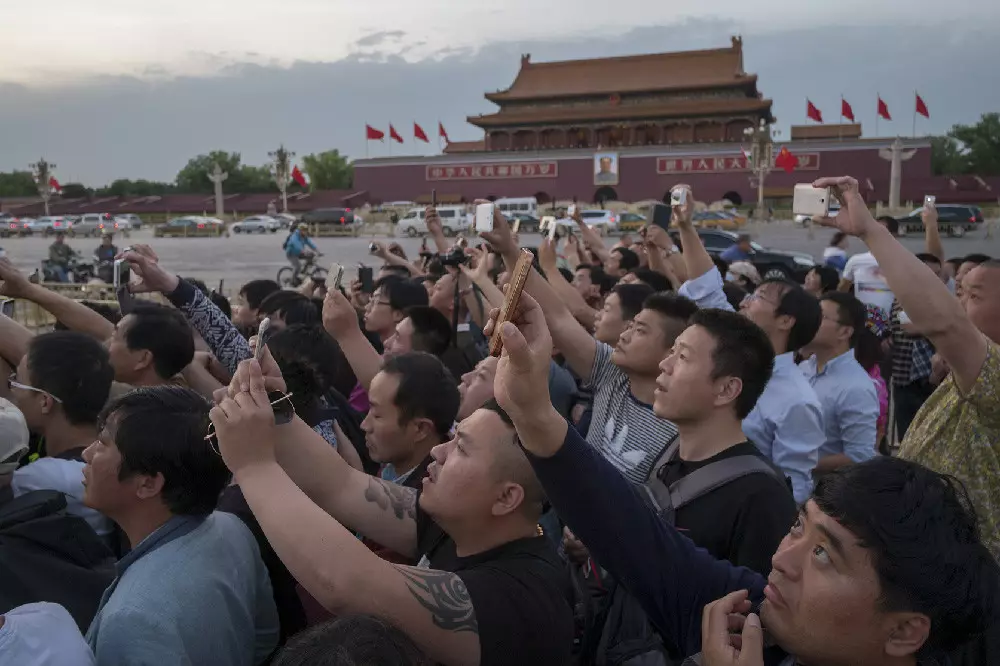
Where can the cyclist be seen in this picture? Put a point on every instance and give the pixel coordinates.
(296, 248)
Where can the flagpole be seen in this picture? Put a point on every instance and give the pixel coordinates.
(840, 129)
(914, 114)
(876, 116)
(367, 141)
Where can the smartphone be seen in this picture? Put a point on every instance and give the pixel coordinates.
(571, 211)
(661, 214)
(339, 273)
(120, 273)
(811, 201)
(120, 278)
(553, 229)
(484, 217)
(7, 308)
(434, 198)
(518, 277)
(930, 200)
(678, 196)
(263, 335)
(904, 318)
(372, 248)
(516, 227)
(367, 277)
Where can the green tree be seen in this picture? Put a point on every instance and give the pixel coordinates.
(946, 156)
(328, 170)
(17, 184)
(75, 191)
(980, 144)
(194, 176)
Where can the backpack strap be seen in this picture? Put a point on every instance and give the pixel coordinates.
(715, 475)
(656, 491)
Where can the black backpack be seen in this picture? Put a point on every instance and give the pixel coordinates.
(613, 630)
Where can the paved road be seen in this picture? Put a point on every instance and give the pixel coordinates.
(241, 258)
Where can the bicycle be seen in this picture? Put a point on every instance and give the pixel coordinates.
(309, 270)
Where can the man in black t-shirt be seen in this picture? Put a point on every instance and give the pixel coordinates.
(501, 598)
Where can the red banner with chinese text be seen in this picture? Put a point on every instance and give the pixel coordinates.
(503, 170)
(726, 164)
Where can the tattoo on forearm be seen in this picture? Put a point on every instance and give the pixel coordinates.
(388, 496)
(445, 596)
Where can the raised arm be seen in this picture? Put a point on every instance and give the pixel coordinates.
(667, 573)
(566, 292)
(340, 320)
(932, 233)
(433, 223)
(934, 311)
(592, 239)
(697, 260)
(576, 344)
(432, 607)
(75, 315)
(14, 341)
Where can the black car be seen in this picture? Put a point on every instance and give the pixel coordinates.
(953, 219)
(338, 216)
(769, 263)
(528, 224)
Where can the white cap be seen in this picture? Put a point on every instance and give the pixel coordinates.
(13, 435)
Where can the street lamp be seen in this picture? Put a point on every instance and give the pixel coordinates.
(42, 172)
(281, 169)
(761, 158)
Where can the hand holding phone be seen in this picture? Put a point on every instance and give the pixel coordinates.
(518, 278)
(263, 335)
(484, 217)
(811, 201)
(120, 280)
(661, 213)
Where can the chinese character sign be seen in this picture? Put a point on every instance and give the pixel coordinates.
(723, 164)
(505, 170)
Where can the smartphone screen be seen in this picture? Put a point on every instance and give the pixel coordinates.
(661, 215)
(7, 308)
(366, 276)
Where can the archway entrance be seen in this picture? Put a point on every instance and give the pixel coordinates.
(734, 198)
(543, 198)
(605, 194)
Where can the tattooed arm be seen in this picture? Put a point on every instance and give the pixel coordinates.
(432, 607)
(382, 511)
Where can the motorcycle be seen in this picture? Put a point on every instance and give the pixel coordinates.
(78, 271)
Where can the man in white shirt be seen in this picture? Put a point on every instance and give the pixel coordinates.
(42, 634)
(863, 275)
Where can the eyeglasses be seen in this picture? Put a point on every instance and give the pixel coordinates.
(214, 441)
(757, 296)
(13, 384)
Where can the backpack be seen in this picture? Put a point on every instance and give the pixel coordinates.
(615, 630)
(284, 246)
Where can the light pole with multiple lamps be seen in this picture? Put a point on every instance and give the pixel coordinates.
(42, 172)
(761, 158)
(282, 171)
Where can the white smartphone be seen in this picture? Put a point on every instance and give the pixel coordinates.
(811, 201)
(930, 200)
(120, 273)
(553, 228)
(516, 227)
(263, 333)
(337, 271)
(484, 217)
(678, 196)
(571, 211)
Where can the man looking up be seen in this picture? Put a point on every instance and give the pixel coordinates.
(844, 388)
(787, 422)
(392, 296)
(883, 567)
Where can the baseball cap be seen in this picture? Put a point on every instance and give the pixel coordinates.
(745, 269)
(13, 436)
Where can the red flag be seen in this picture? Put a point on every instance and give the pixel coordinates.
(813, 112)
(373, 134)
(846, 110)
(883, 110)
(298, 177)
(785, 160)
(418, 133)
(393, 134)
(922, 108)
(54, 184)
(442, 133)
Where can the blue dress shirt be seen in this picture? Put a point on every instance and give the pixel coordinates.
(850, 406)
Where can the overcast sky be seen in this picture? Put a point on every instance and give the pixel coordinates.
(119, 88)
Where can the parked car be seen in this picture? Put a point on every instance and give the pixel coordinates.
(527, 223)
(260, 224)
(129, 221)
(716, 219)
(49, 224)
(454, 220)
(770, 263)
(631, 222)
(953, 219)
(339, 216)
(605, 221)
(11, 225)
(189, 227)
(92, 224)
(284, 219)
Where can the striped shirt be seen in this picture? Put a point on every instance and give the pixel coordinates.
(622, 428)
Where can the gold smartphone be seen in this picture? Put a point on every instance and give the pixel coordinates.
(518, 278)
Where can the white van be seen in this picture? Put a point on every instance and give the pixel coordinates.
(454, 220)
(524, 205)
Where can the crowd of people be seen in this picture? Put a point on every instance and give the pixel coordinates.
(673, 461)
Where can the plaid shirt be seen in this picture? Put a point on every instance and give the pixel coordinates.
(911, 354)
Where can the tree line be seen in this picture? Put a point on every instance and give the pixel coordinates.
(328, 170)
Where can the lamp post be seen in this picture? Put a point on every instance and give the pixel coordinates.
(761, 158)
(42, 171)
(282, 171)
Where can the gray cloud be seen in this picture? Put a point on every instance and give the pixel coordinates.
(377, 38)
(110, 127)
